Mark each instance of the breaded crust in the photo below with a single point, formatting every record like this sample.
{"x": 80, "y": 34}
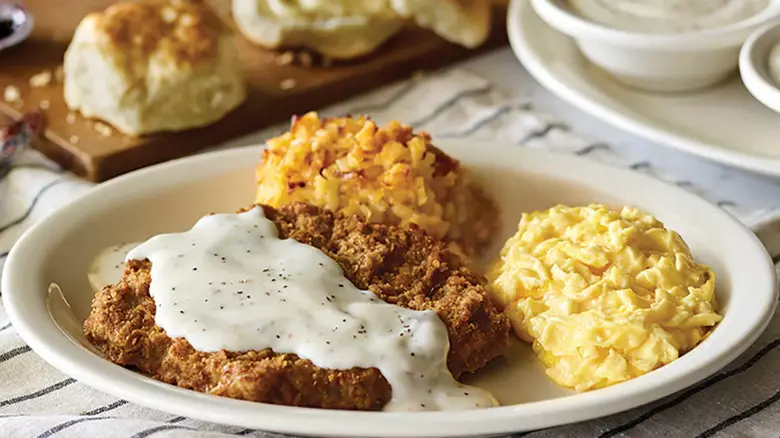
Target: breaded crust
{"x": 402, "y": 266}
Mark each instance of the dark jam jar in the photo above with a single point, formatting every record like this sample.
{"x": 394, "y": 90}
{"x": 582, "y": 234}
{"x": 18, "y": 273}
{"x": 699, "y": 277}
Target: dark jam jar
{"x": 7, "y": 28}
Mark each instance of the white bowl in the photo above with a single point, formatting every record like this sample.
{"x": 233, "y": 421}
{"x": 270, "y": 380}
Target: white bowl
{"x": 657, "y": 62}
{"x": 171, "y": 196}
{"x": 23, "y": 22}
{"x": 754, "y": 65}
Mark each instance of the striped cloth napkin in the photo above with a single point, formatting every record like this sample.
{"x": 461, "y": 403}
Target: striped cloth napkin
{"x": 37, "y": 400}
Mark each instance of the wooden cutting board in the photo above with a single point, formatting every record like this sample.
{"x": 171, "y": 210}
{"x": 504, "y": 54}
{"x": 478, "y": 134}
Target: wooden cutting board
{"x": 75, "y": 143}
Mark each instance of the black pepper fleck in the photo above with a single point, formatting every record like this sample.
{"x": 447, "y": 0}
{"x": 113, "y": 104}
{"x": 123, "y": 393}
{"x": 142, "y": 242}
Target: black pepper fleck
{"x": 194, "y": 269}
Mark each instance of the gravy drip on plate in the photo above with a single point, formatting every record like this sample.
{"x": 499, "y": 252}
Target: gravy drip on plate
{"x": 667, "y": 16}
{"x": 108, "y": 266}
{"x": 230, "y": 283}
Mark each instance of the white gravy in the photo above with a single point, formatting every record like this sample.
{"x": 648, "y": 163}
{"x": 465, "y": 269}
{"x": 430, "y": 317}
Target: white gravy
{"x": 230, "y": 283}
{"x": 667, "y": 16}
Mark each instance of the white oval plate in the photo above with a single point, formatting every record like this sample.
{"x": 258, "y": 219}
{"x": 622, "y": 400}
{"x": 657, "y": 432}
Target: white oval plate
{"x": 171, "y": 196}
{"x": 723, "y": 123}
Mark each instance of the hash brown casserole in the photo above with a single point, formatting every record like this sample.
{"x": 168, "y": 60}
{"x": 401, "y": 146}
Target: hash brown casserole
{"x": 387, "y": 174}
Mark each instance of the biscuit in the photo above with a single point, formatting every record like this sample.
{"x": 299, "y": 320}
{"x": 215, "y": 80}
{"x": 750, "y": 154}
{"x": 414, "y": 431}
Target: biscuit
{"x": 153, "y": 66}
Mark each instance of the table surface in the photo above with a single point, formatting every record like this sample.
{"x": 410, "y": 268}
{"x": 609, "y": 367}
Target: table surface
{"x": 748, "y": 189}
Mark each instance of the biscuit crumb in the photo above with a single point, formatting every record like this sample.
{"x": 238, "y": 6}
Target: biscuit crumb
{"x": 74, "y": 139}
{"x": 288, "y": 84}
{"x": 168, "y": 14}
{"x": 59, "y": 74}
{"x": 44, "y": 104}
{"x": 187, "y": 20}
{"x": 306, "y": 59}
{"x": 70, "y": 118}
{"x": 103, "y": 129}
{"x": 285, "y": 58}
{"x": 12, "y": 94}
{"x": 41, "y": 79}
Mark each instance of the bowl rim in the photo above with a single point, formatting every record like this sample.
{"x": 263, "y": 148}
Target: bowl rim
{"x": 734, "y": 34}
{"x": 753, "y": 65}
{"x": 34, "y": 323}
{"x": 23, "y": 31}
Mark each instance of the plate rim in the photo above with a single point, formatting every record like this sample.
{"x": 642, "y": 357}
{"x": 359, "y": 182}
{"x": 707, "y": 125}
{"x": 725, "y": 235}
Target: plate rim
{"x": 525, "y": 52}
{"x": 58, "y": 349}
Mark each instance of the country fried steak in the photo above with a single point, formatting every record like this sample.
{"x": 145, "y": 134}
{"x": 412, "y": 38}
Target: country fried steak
{"x": 403, "y": 266}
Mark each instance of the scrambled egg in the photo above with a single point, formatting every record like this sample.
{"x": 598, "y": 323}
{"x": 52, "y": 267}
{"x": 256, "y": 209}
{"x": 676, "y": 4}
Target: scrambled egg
{"x": 603, "y": 295}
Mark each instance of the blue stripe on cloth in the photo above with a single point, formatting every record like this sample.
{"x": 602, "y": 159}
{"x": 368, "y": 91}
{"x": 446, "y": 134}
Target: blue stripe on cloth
{"x": 35, "y": 200}
{"x": 40, "y": 393}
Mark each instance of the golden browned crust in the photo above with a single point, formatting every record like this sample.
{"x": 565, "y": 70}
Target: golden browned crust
{"x": 388, "y": 174}
{"x": 186, "y": 31}
{"x": 402, "y": 266}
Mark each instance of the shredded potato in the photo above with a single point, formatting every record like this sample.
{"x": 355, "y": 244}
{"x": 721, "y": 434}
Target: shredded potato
{"x": 386, "y": 174}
